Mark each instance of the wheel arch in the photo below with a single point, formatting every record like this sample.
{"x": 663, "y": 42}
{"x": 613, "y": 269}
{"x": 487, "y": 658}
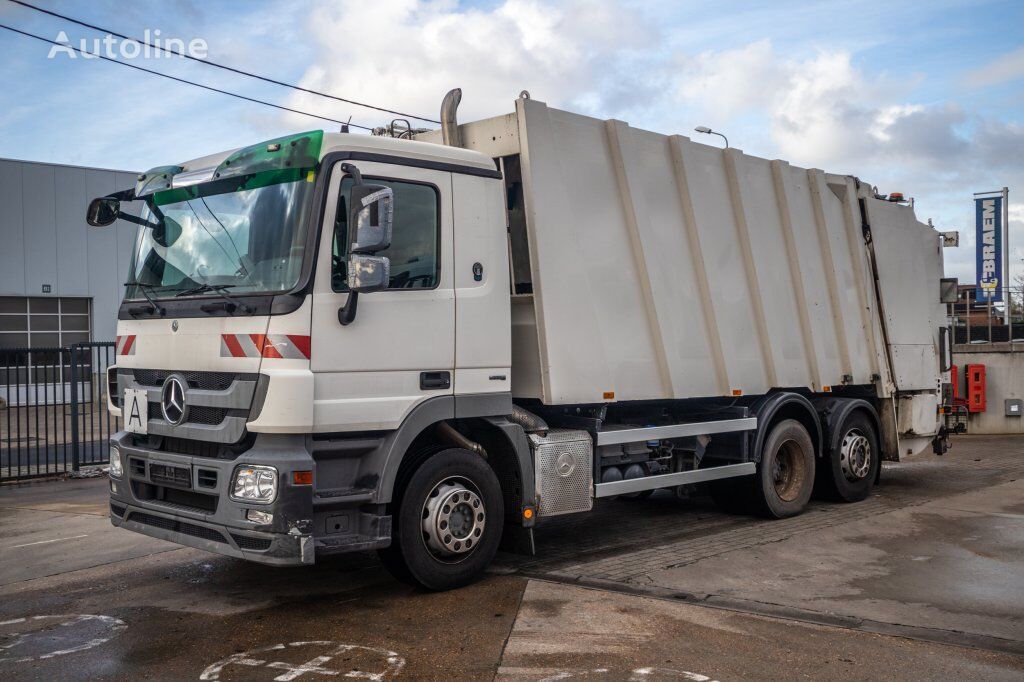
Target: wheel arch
{"x": 775, "y": 407}
{"x": 833, "y": 412}
{"x": 484, "y": 421}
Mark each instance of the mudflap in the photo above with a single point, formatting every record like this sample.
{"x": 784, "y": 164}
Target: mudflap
{"x": 518, "y": 540}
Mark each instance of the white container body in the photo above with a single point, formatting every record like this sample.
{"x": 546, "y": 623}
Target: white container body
{"x": 664, "y": 268}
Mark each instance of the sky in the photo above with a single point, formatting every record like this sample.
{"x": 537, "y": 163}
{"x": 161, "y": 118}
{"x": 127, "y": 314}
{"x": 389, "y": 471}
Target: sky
{"x": 924, "y": 98}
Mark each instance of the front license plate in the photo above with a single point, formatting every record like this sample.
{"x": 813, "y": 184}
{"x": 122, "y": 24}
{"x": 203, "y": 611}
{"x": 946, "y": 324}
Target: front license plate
{"x": 135, "y": 413}
{"x": 165, "y": 474}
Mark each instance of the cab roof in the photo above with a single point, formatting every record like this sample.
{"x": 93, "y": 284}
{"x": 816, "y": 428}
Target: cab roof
{"x": 338, "y": 142}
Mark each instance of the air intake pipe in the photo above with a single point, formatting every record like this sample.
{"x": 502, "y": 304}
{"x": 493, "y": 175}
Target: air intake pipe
{"x": 446, "y": 432}
{"x": 530, "y": 422}
{"x": 450, "y": 134}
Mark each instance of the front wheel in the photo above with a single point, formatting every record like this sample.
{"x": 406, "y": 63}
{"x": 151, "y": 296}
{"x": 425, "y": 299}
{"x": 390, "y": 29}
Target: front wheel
{"x": 448, "y": 522}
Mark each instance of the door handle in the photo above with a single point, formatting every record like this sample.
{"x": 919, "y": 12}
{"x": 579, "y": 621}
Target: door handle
{"x": 434, "y": 380}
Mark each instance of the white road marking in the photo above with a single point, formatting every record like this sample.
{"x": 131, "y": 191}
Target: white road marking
{"x": 393, "y": 663}
{"x": 636, "y": 675}
{"x": 45, "y": 542}
{"x": 114, "y": 626}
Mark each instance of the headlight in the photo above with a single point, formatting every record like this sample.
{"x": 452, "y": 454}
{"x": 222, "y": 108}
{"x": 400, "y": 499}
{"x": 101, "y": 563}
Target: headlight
{"x": 115, "y": 463}
{"x": 254, "y": 484}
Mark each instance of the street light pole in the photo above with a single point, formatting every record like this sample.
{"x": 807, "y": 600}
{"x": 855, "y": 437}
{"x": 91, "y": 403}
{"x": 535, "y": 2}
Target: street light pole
{"x": 709, "y": 131}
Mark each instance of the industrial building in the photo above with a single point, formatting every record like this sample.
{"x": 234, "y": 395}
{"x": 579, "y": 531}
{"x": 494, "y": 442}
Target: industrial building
{"x": 60, "y": 281}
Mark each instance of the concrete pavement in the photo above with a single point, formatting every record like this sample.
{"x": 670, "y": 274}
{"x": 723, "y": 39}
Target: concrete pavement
{"x": 924, "y": 580}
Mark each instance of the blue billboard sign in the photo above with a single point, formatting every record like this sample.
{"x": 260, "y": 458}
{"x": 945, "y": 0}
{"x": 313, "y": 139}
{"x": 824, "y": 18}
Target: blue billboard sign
{"x": 988, "y": 216}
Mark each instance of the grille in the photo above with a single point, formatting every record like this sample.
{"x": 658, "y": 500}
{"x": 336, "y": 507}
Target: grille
{"x": 206, "y": 478}
{"x": 254, "y": 544}
{"x": 183, "y": 500}
{"x": 196, "y": 414}
{"x": 177, "y": 526}
{"x": 565, "y": 475}
{"x": 193, "y": 448}
{"x": 207, "y": 381}
{"x": 206, "y": 415}
{"x": 116, "y": 509}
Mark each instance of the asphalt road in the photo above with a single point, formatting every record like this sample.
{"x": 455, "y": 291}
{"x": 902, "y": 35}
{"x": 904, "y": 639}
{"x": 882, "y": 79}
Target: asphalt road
{"x": 925, "y": 580}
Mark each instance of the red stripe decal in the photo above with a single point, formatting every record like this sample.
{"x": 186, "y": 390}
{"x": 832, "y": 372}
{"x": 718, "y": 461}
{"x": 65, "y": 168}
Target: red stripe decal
{"x": 233, "y": 346}
{"x": 269, "y": 351}
{"x": 302, "y": 344}
{"x": 129, "y": 341}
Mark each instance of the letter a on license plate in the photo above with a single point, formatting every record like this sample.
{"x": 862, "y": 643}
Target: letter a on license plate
{"x": 135, "y": 413}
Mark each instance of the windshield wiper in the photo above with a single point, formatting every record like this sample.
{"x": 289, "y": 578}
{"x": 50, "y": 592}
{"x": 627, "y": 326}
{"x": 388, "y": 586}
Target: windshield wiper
{"x": 146, "y": 290}
{"x": 218, "y": 289}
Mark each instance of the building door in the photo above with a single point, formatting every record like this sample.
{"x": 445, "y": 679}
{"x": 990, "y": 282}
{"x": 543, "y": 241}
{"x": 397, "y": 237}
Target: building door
{"x": 32, "y": 330}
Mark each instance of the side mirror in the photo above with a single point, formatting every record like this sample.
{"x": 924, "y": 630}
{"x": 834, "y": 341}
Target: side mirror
{"x": 102, "y": 211}
{"x": 371, "y": 218}
{"x": 367, "y": 274}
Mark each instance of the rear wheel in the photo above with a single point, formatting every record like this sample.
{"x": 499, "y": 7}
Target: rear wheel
{"x": 848, "y": 474}
{"x": 448, "y": 522}
{"x": 785, "y": 474}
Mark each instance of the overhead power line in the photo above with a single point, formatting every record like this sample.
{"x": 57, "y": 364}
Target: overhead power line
{"x": 220, "y": 66}
{"x": 181, "y": 80}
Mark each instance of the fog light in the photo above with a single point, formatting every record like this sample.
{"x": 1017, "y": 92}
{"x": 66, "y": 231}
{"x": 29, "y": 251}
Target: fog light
{"x": 115, "y": 462}
{"x": 113, "y": 487}
{"x": 254, "y": 484}
{"x": 257, "y": 516}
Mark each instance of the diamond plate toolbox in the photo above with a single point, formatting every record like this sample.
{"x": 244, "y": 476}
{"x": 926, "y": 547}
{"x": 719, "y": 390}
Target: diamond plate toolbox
{"x": 564, "y": 465}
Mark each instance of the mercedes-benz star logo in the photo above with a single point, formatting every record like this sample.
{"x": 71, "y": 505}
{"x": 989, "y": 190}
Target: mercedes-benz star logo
{"x": 565, "y": 464}
{"x": 172, "y": 399}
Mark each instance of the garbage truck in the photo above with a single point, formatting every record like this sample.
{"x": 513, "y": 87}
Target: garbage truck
{"x": 423, "y": 342}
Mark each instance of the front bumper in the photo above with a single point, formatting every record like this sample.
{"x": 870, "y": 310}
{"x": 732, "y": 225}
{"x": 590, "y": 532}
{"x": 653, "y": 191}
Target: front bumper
{"x": 201, "y": 514}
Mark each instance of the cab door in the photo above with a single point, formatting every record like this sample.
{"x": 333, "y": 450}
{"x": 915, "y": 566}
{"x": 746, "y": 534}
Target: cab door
{"x": 400, "y": 349}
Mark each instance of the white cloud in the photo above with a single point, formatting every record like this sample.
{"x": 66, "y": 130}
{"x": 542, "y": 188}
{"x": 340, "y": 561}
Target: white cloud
{"x": 405, "y": 54}
{"x": 730, "y": 82}
{"x": 1004, "y": 69}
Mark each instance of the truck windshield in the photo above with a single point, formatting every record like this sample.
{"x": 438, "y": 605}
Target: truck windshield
{"x": 245, "y": 233}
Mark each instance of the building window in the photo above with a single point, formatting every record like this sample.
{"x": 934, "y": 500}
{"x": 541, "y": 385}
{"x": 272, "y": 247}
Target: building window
{"x": 414, "y": 242}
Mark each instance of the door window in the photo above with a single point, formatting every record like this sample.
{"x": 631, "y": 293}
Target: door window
{"x": 414, "y": 243}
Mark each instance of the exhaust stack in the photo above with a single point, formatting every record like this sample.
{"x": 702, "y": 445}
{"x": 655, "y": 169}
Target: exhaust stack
{"x": 450, "y": 134}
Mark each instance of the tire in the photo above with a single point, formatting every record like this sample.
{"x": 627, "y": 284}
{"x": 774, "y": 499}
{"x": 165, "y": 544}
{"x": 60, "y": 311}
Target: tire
{"x": 849, "y": 473}
{"x": 455, "y": 490}
{"x": 785, "y": 475}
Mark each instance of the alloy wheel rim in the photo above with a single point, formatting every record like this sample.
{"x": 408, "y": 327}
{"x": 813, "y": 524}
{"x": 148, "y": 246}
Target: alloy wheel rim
{"x": 855, "y": 455}
{"x": 453, "y": 519}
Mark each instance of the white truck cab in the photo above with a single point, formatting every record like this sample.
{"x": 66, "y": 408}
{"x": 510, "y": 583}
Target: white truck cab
{"x": 333, "y": 342}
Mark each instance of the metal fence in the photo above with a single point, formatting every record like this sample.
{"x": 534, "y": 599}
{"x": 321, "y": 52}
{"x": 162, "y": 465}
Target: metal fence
{"x": 981, "y": 323}
{"x": 53, "y": 409}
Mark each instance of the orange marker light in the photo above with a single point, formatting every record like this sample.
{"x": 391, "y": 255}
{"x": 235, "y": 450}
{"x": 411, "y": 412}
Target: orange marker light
{"x": 737, "y": 391}
{"x": 826, "y": 389}
{"x": 609, "y": 395}
{"x": 527, "y": 513}
{"x": 302, "y": 477}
